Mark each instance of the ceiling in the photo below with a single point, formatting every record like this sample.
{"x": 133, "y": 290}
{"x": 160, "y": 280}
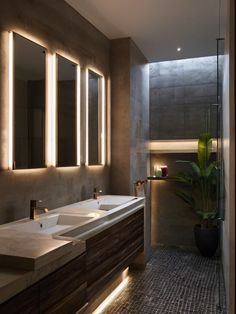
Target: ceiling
{"x": 158, "y": 27}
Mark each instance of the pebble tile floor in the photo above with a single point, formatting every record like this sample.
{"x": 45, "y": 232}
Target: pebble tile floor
{"x": 174, "y": 281}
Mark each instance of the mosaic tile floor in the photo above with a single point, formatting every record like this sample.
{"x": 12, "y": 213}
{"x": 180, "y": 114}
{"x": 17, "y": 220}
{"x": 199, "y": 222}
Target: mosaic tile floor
{"x": 173, "y": 282}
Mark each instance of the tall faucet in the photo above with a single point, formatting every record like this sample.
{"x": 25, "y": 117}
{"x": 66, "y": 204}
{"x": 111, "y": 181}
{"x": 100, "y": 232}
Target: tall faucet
{"x": 34, "y": 207}
{"x": 96, "y": 193}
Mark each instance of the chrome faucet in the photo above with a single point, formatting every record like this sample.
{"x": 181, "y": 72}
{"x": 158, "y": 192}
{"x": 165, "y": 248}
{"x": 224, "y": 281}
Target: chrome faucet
{"x": 96, "y": 193}
{"x": 34, "y": 208}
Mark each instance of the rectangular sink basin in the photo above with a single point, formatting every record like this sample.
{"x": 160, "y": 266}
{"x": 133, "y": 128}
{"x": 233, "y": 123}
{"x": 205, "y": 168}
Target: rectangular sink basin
{"x": 51, "y": 224}
{"x": 107, "y": 206}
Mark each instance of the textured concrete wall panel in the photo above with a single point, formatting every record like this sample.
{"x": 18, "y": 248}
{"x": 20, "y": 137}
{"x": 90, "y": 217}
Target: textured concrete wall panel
{"x": 181, "y": 94}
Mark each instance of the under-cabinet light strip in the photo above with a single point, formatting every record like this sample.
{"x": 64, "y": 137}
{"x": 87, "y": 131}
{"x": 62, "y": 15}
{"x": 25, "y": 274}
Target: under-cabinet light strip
{"x": 10, "y": 100}
{"x": 112, "y": 296}
{"x": 78, "y": 114}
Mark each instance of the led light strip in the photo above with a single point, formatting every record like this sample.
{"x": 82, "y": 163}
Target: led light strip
{"x": 51, "y": 110}
{"x": 86, "y": 119}
{"x": 78, "y": 114}
{"x": 177, "y": 146}
{"x": 10, "y": 100}
{"x": 103, "y": 117}
{"x": 112, "y": 296}
{"x": 103, "y": 138}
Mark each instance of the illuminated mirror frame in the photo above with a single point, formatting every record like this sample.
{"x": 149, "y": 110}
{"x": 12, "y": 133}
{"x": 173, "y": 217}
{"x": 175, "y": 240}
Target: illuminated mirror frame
{"x": 11, "y": 100}
{"x": 102, "y": 102}
{"x": 78, "y": 108}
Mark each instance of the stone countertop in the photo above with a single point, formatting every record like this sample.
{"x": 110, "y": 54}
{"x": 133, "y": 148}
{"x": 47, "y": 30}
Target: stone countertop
{"x": 30, "y": 251}
{"x": 15, "y": 280}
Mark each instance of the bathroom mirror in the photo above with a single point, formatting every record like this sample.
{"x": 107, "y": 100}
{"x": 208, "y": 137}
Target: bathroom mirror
{"x": 94, "y": 118}
{"x": 66, "y": 108}
{"x": 29, "y": 104}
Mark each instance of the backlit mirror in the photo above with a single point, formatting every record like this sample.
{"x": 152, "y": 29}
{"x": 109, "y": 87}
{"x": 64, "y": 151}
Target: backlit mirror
{"x": 95, "y": 118}
{"x": 67, "y": 112}
{"x": 29, "y": 104}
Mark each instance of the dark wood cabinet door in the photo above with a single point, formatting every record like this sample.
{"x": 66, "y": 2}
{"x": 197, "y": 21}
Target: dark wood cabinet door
{"x": 112, "y": 250}
{"x": 26, "y": 302}
{"x": 59, "y": 288}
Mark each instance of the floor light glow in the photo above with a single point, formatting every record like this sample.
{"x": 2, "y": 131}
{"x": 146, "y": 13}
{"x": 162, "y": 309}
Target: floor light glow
{"x": 78, "y": 114}
{"x": 10, "y": 99}
{"x": 112, "y": 296}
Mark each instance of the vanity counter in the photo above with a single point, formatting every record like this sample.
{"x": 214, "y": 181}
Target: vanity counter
{"x": 37, "y": 254}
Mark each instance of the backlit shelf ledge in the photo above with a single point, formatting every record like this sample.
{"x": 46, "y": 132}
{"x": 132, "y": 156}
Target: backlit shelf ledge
{"x": 160, "y": 178}
{"x": 176, "y": 146}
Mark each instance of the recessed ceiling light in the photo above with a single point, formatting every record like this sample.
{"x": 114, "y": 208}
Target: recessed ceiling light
{"x": 179, "y": 49}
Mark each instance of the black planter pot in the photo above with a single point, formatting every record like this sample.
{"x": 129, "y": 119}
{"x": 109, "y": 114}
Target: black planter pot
{"x": 206, "y": 240}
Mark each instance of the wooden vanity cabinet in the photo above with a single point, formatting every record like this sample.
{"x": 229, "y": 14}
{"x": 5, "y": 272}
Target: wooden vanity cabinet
{"x": 63, "y": 291}
{"x": 26, "y": 302}
{"x": 112, "y": 250}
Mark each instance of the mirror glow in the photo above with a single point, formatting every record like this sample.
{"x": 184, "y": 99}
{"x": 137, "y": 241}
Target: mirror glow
{"x": 95, "y": 118}
{"x": 78, "y": 114}
{"x": 10, "y": 99}
{"x": 51, "y": 110}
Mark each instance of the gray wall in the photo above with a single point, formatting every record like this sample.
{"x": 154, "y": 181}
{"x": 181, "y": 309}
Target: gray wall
{"x": 139, "y": 115}
{"x": 60, "y": 29}
{"x": 129, "y": 115}
{"x": 172, "y": 220}
{"x": 181, "y": 93}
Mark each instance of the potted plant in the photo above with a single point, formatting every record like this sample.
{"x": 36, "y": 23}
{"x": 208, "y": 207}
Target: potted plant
{"x": 198, "y": 190}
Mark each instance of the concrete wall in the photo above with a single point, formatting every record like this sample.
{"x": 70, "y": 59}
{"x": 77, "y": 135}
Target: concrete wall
{"x": 172, "y": 220}
{"x": 139, "y": 115}
{"x": 228, "y": 230}
{"x": 129, "y": 116}
{"x": 120, "y": 116}
{"x": 181, "y": 95}
{"x": 59, "y": 28}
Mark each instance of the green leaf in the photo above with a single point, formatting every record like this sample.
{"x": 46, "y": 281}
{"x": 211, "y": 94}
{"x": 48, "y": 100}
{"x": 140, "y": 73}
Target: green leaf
{"x": 206, "y": 215}
{"x": 210, "y": 169}
{"x": 183, "y": 178}
{"x": 186, "y": 198}
{"x": 204, "y": 150}
{"x": 196, "y": 168}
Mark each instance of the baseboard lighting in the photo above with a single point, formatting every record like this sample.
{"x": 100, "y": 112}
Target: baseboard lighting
{"x": 112, "y": 296}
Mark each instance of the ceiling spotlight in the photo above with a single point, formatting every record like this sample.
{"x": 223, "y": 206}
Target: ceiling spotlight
{"x": 179, "y": 49}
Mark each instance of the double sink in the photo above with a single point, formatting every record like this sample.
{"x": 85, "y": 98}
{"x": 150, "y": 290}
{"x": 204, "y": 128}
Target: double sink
{"x": 74, "y": 219}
